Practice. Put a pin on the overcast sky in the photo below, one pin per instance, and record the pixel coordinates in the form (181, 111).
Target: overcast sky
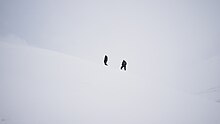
(159, 35)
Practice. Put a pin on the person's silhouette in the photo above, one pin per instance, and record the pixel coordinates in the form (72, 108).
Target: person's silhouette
(123, 65)
(106, 60)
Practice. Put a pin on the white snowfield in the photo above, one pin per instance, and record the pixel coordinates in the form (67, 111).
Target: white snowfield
(39, 86)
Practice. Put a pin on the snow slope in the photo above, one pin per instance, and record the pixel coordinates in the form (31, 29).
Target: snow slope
(203, 78)
(38, 86)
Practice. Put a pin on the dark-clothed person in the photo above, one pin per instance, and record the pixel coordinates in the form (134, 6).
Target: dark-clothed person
(123, 65)
(106, 60)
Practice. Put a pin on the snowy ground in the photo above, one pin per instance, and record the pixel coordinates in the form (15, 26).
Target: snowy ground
(39, 86)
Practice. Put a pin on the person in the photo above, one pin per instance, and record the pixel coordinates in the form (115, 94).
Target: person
(106, 60)
(123, 65)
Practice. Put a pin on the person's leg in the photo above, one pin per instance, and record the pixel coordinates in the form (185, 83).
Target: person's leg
(105, 62)
(121, 67)
(125, 68)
